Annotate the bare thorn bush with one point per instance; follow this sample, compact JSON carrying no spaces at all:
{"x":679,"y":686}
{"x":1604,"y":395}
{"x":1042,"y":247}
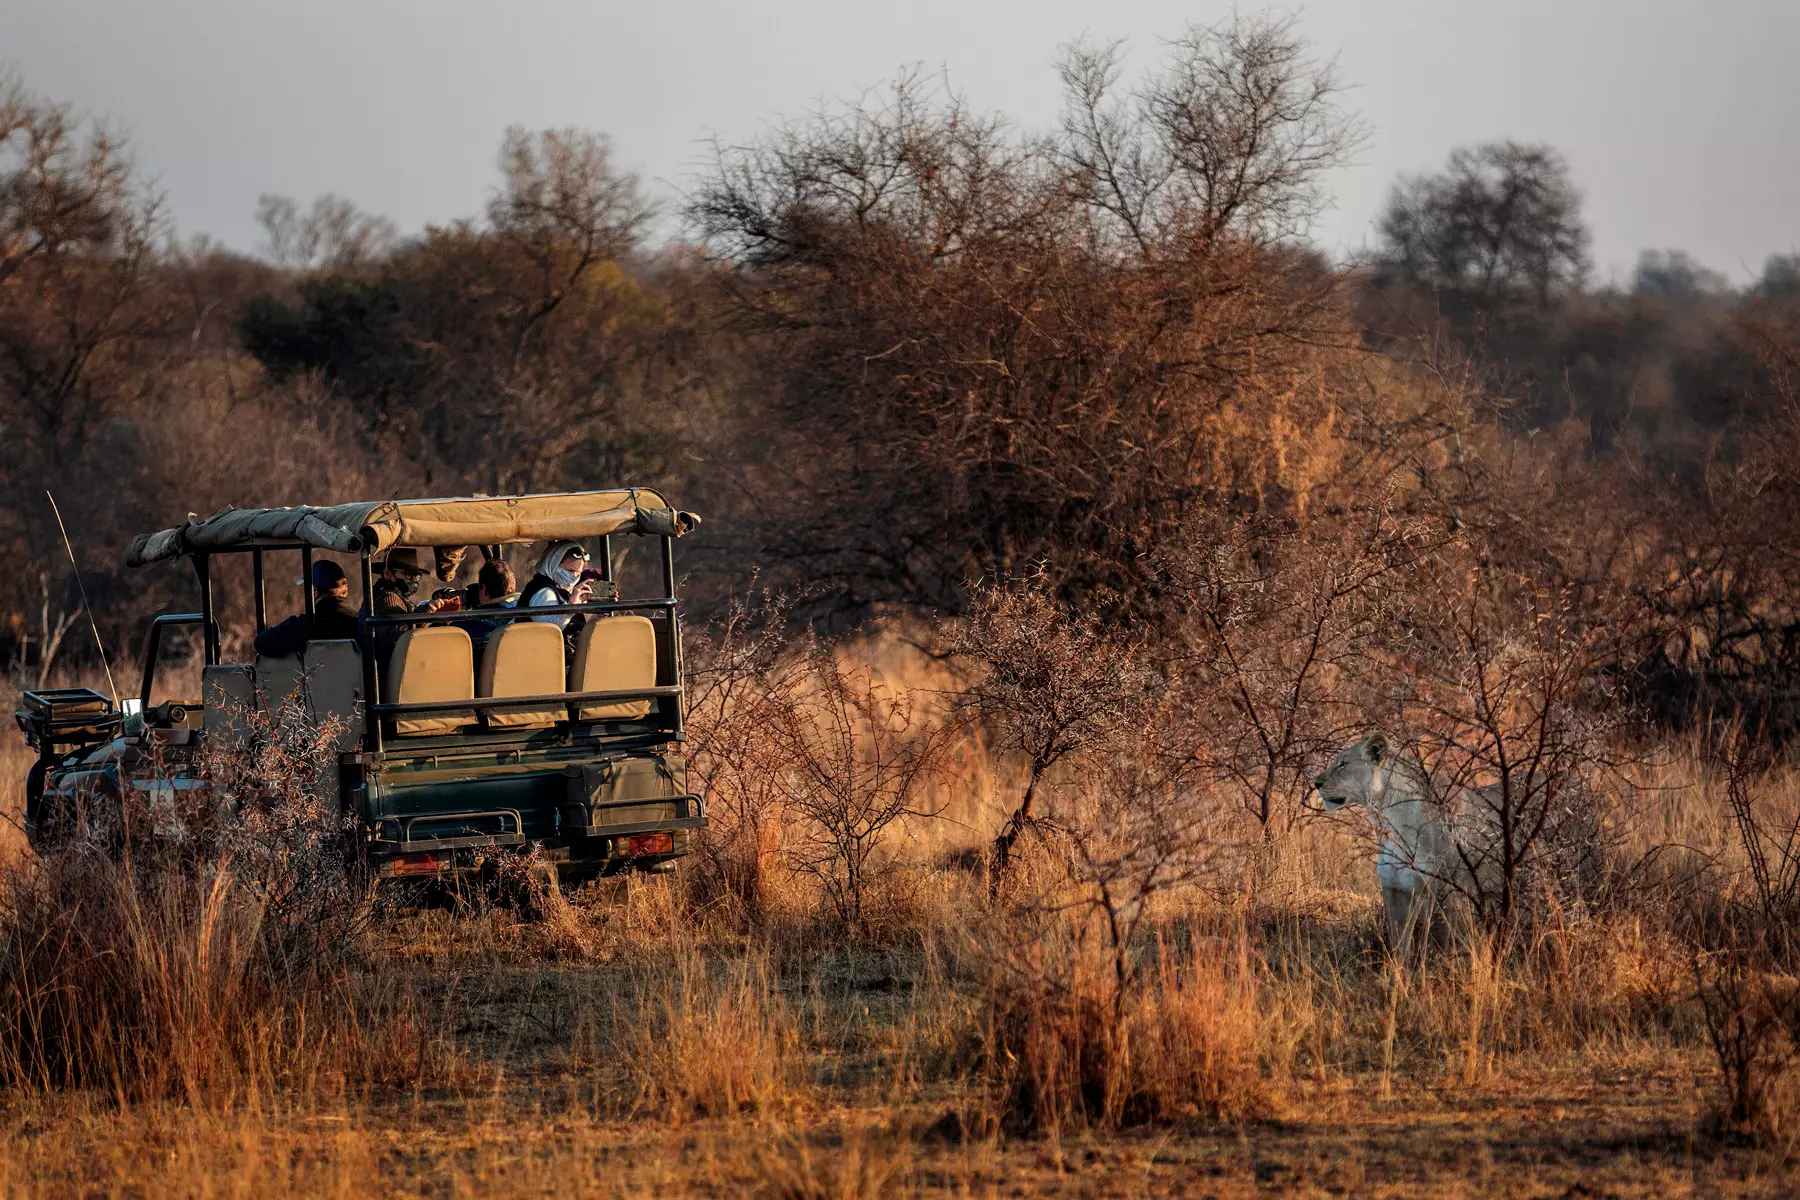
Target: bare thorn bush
{"x":1054,"y":686}
{"x":198,"y":943}
{"x":864,"y":756}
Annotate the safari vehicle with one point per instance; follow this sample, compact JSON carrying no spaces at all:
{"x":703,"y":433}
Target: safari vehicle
{"x":442,"y":760}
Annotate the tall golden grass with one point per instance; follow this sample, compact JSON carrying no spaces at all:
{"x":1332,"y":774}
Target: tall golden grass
{"x":967,"y":1017}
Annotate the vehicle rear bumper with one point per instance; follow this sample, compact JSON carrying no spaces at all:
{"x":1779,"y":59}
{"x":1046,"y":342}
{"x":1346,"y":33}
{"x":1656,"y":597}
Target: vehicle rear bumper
{"x":589,"y":820}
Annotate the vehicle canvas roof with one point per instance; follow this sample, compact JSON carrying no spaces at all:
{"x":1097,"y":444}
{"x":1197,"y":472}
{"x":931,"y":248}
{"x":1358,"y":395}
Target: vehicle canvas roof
{"x":371,"y":527}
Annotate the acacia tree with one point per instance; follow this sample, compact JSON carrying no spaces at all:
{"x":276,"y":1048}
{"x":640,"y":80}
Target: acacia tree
{"x":1499,"y":225}
{"x":332,"y":235}
{"x":982,"y":350}
{"x":81,"y":312}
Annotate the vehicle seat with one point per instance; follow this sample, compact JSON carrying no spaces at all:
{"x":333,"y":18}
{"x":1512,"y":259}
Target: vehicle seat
{"x":429,"y":665}
{"x":334,"y":682}
{"x":278,"y":680}
{"x":227,"y":698}
{"x":615,"y":654}
{"x":522,"y":659}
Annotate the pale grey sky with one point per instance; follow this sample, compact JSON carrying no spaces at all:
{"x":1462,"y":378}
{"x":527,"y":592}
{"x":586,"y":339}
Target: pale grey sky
{"x":1678,"y":116}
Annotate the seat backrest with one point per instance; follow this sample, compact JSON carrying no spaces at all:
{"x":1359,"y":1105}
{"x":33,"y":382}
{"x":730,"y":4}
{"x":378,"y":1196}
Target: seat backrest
{"x":334,"y":683}
{"x":614,"y":654}
{"x":278,"y":680}
{"x":432,"y":664}
{"x":522,"y":659}
{"x":227,"y":700}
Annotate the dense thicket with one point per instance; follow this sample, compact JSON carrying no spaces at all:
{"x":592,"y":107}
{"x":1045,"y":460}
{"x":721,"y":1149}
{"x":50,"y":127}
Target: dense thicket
{"x":904,"y":346}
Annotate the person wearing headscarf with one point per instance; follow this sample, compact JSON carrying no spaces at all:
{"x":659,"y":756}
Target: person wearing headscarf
{"x":558,"y":581}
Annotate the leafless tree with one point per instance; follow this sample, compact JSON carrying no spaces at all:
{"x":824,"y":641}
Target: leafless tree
{"x":81,"y":309}
{"x":1503,"y":687}
{"x":332,"y":235}
{"x":1230,"y":139}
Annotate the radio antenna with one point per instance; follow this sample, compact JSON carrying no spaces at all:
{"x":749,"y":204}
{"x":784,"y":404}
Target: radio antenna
{"x":85,"y":606}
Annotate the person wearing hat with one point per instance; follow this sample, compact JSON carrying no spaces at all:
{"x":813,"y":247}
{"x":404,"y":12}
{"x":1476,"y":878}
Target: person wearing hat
{"x":331,"y":617}
{"x":402,"y":572}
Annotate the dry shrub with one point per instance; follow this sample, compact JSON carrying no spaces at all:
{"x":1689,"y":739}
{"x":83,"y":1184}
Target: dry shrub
{"x":862,"y":757}
{"x":1744,"y":955}
{"x":1753,"y":1023}
{"x":1068,"y":1048}
{"x":707,"y":1038}
{"x":738,"y":700}
{"x":847,"y":1165}
{"x":198,"y":943}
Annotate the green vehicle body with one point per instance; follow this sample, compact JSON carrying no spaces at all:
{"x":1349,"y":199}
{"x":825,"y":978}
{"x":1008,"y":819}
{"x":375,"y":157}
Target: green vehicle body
{"x":596,"y":785}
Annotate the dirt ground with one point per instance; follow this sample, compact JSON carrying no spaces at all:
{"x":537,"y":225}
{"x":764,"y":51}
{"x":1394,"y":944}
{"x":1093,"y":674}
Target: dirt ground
{"x":1567,"y":1133}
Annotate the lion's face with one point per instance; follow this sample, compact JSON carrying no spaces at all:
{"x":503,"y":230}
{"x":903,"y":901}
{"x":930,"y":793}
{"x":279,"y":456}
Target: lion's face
{"x":1354,"y":776}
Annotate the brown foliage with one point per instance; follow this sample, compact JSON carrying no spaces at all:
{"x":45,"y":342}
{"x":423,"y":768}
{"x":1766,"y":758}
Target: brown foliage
{"x":983,"y":350}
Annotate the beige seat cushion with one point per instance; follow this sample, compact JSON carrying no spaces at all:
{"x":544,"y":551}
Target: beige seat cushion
{"x":228,"y":698}
{"x":334,"y":683}
{"x":615,"y":654}
{"x":432,"y":664}
{"x":524,"y":658}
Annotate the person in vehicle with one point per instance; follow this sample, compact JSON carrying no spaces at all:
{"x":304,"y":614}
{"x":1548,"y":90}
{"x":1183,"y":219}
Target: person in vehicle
{"x":402,"y":572}
{"x":559,"y":581}
{"x":493,"y":589}
{"x":331,"y":617}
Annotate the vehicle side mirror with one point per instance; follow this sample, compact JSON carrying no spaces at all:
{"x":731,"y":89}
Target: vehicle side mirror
{"x":132,"y":709}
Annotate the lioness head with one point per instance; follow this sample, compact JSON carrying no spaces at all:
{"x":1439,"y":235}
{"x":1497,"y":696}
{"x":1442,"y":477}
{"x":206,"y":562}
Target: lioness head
{"x":1356,"y":774}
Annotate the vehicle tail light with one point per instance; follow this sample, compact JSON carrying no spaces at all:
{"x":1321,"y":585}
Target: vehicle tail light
{"x":417,"y":864}
{"x":645,"y":844}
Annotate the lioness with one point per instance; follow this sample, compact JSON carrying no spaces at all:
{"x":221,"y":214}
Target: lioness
{"x":1440,"y":844}
{"x":1418,"y":857}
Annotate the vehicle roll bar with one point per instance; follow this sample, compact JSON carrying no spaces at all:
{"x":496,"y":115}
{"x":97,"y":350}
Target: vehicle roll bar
{"x":154,"y":640}
{"x":456,"y":615}
{"x":483,"y":703}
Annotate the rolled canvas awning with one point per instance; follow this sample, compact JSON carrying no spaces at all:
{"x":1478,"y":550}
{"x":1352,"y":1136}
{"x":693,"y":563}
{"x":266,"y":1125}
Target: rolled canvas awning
{"x":374,"y":526}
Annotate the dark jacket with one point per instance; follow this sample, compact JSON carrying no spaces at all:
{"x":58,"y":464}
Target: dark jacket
{"x":332,"y":617}
{"x":572,"y":626}
{"x":481,"y":628}
{"x":389,"y":602}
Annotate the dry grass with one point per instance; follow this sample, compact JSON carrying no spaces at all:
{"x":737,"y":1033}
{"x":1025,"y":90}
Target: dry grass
{"x":978,"y":1046}
{"x":706,"y":1038}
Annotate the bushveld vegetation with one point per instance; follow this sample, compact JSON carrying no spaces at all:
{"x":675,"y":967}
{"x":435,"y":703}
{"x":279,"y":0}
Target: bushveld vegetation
{"x":1066,"y":511}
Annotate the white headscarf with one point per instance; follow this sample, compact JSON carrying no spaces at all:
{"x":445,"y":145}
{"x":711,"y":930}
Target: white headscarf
{"x":550,"y":566}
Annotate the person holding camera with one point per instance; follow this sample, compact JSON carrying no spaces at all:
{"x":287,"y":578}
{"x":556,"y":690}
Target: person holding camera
{"x":563,"y":577}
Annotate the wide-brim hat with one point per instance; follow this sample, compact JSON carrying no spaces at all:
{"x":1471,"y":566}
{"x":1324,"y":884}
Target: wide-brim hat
{"x":405,"y":558}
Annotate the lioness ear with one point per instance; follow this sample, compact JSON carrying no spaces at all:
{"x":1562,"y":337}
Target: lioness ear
{"x":1375,"y":747}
